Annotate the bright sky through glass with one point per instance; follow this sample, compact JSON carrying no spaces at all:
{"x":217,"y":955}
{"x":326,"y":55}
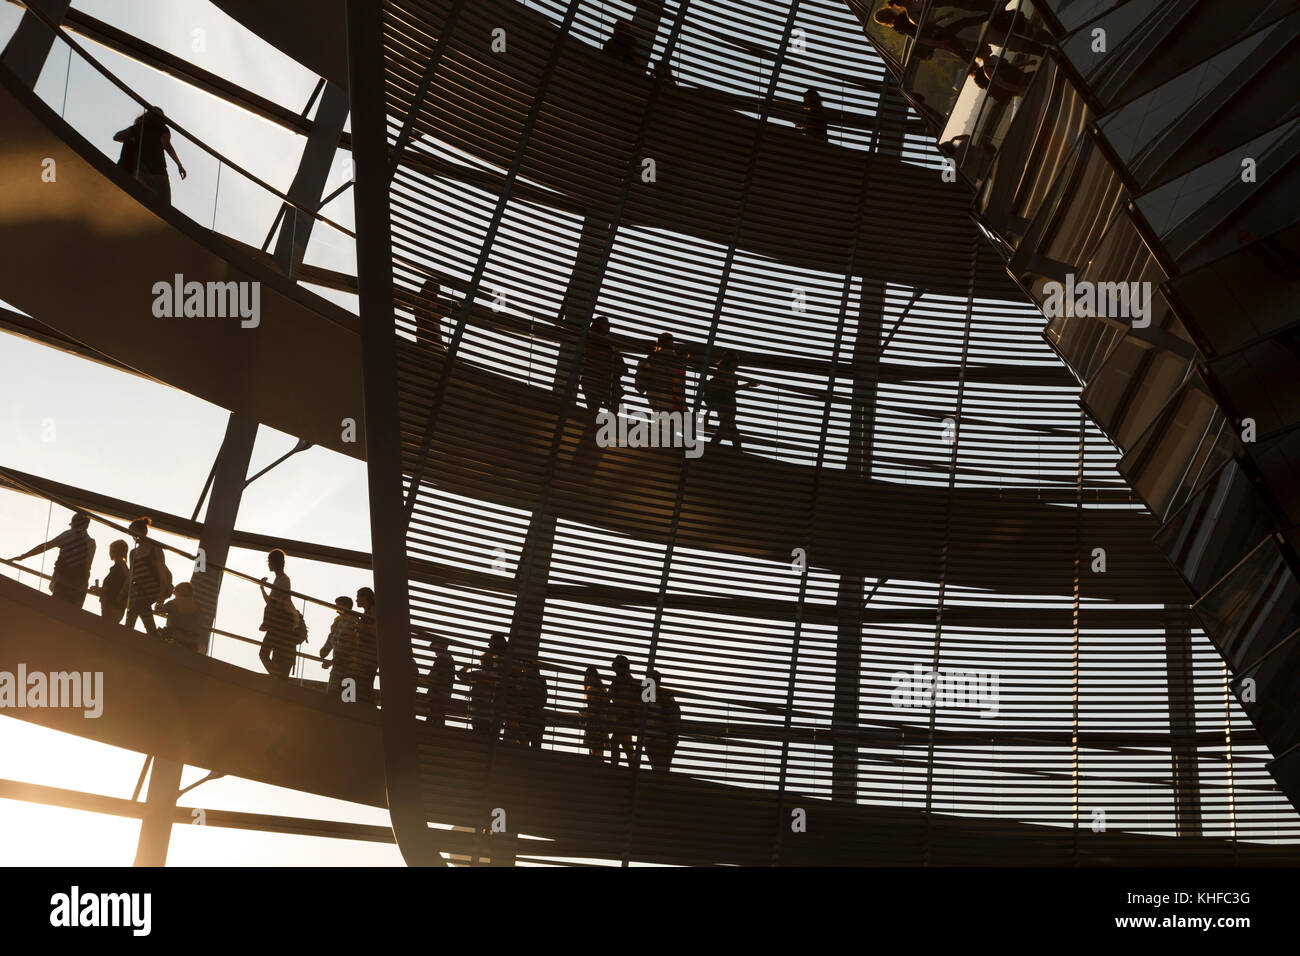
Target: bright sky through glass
{"x":139,"y":441}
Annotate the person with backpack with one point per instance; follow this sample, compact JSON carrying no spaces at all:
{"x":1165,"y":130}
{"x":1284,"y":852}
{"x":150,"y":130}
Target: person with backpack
{"x":150,"y":579}
{"x":71,"y":578}
{"x":279,"y":620}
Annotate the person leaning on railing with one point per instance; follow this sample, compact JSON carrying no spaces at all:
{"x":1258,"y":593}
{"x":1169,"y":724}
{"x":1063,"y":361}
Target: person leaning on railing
{"x":71,"y":578}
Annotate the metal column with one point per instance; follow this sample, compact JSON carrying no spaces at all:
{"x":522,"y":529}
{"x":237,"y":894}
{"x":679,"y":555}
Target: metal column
{"x":891,"y":117}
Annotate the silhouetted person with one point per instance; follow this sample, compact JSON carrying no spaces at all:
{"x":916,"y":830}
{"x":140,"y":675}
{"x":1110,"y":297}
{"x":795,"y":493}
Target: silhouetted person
{"x":663,"y":725}
{"x":150,"y":579}
{"x":622,"y":44}
{"x":595,"y":730}
{"x":116,"y":588}
{"x":532,"y":704}
{"x":484,"y":684}
{"x":70,"y":579}
{"x":279,"y":620}
{"x":720,"y":396}
{"x":145,"y":145}
{"x":603,"y":368}
{"x":661,"y":376}
{"x":428,"y":317}
{"x":184,"y":618}
{"x":440,"y":680}
{"x":813,"y":121}
{"x":342,"y":643}
{"x":1003,"y":80}
{"x":624,"y":709}
{"x":367,"y":646}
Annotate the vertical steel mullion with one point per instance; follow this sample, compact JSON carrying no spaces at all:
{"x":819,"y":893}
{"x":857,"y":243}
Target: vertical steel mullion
{"x":417,"y":102}
{"x":562,"y":417}
{"x":728,"y":264}
{"x":817,"y":468}
{"x":587,"y":307}
{"x":1074,"y":684}
{"x":367,"y":78}
{"x":943,"y":554}
{"x":485,"y":253}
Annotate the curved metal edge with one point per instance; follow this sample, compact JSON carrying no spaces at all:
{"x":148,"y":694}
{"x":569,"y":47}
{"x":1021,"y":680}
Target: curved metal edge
{"x":383,"y":438}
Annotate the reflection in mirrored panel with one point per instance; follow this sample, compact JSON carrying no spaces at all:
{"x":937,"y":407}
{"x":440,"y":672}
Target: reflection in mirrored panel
{"x":1286,"y":770}
{"x":1277,"y":688}
{"x":1259,"y":382}
{"x":1096,"y":56}
{"x":1131,"y":387}
{"x":1248,"y":295}
{"x":940,"y":54}
{"x":1041,"y":141}
{"x":1278,"y":462}
{"x":1186,"y":442}
{"x":1082,"y":341}
{"x":1155,"y":127}
{"x":1254,"y":607}
{"x":1073,"y":14}
{"x":1000,"y":78}
{"x":1090,"y":197}
{"x":1216,"y":528}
